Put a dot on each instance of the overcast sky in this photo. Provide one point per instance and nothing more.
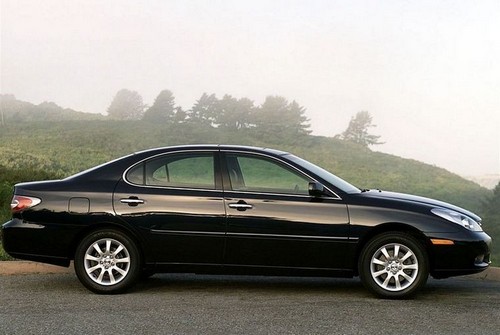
(427, 71)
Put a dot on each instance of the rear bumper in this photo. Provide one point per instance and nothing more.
(470, 253)
(38, 242)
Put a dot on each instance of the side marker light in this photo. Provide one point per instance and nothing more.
(438, 241)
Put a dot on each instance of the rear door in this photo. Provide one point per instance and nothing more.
(273, 221)
(176, 200)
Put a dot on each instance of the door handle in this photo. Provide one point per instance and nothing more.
(240, 205)
(132, 201)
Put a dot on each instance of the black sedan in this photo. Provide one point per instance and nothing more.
(244, 210)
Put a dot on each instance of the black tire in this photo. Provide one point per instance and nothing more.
(107, 262)
(398, 276)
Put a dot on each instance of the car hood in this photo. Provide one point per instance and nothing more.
(409, 198)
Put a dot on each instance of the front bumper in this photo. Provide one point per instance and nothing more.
(470, 253)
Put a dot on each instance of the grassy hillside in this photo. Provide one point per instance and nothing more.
(493, 229)
(67, 147)
(59, 149)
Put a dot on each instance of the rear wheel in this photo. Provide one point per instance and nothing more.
(394, 265)
(107, 262)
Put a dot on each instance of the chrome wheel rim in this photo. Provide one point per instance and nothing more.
(394, 267)
(107, 262)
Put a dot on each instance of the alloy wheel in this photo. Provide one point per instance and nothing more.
(107, 261)
(394, 267)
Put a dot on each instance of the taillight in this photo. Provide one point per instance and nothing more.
(20, 203)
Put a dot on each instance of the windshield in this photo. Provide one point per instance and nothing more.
(325, 175)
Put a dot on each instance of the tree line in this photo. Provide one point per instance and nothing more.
(275, 117)
(276, 114)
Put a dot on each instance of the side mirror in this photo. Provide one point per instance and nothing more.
(316, 189)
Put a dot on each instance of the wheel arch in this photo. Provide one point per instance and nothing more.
(391, 227)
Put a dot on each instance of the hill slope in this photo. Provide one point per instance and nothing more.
(13, 111)
(67, 147)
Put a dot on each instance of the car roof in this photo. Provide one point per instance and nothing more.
(214, 147)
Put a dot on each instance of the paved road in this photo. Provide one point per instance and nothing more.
(188, 304)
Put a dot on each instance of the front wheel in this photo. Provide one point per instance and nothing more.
(107, 262)
(394, 265)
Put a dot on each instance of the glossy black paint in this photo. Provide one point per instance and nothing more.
(224, 230)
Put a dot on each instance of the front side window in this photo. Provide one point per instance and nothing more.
(259, 174)
(194, 170)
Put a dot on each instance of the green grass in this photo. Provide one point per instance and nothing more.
(491, 226)
(3, 255)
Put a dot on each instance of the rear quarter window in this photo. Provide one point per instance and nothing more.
(177, 170)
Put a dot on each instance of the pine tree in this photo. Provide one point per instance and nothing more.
(276, 115)
(204, 110)
(126, 105)
(163, 109)
(357, 131)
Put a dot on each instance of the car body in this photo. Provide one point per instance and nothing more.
(237, 209)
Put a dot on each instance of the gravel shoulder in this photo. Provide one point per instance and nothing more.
(9, 268)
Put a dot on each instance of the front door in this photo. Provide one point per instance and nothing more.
(273, 221)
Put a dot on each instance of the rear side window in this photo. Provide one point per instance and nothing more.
(136, 175)
(193, 170)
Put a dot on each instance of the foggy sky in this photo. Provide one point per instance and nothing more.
(427, 71)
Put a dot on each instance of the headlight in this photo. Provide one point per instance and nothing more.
(457, 218)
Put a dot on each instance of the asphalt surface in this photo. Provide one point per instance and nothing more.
(190, 304)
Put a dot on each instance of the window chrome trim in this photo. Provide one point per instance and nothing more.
(229, 194)
(225, 150)
(177, 188)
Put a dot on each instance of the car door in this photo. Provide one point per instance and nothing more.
(273, 221)
(176, 201)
